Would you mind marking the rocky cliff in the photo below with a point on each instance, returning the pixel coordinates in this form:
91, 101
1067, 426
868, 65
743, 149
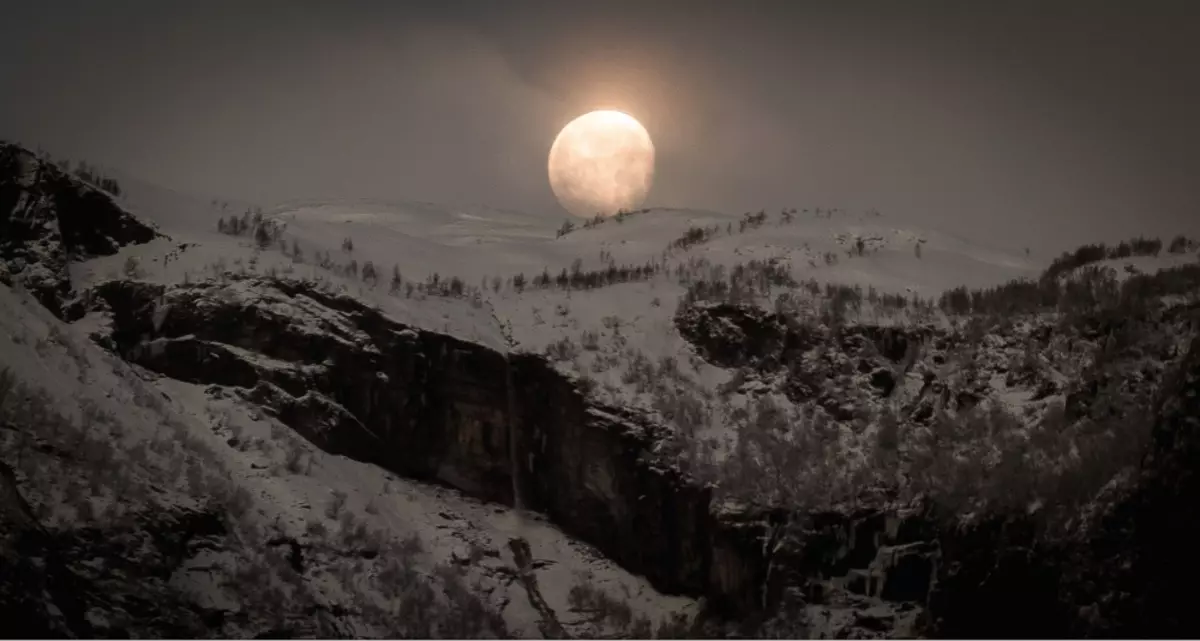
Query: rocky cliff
424, 405
49, 218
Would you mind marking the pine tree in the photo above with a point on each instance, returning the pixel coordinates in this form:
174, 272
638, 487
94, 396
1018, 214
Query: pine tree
368, 273
262, 237
396, 280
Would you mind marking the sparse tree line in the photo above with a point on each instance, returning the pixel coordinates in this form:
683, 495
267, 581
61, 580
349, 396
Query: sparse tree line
86, 172
976, 455
569, 226
757, 279
573, 278
1092, 253
265, 233
1091, 288
700, 235
748, 220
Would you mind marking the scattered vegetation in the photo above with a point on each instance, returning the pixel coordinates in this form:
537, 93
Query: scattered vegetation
1089, 254
607, 617
1095, 345
82, 479
84, 171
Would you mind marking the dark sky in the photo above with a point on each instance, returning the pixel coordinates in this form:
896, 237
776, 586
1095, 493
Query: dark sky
1043, 123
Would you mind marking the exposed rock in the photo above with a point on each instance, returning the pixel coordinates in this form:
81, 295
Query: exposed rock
883, 380
732, 335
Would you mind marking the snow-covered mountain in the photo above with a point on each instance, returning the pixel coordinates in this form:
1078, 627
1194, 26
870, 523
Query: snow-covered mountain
361, 418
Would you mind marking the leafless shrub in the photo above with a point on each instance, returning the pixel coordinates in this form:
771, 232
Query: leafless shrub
471, 617
584, 598
296, 461
590, 340
563, 349
132, 267
587, 385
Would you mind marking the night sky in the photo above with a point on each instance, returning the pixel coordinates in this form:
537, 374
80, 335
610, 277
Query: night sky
1042, 124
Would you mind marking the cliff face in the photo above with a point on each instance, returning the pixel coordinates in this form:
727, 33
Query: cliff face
424, 405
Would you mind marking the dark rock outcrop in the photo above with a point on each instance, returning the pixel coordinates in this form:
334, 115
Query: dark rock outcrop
733, 335
49, 218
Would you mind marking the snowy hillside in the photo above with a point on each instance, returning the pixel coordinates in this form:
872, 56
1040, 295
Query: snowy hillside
379, 419
487, 248
370, 542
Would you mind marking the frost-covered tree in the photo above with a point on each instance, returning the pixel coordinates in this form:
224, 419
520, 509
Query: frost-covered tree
262, 237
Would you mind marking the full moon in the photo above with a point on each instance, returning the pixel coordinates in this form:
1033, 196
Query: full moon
601, 162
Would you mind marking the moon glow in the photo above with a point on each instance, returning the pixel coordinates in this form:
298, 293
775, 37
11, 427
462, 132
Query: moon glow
601, 162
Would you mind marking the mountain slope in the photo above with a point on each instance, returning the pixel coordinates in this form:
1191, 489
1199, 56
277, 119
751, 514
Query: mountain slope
715, 414
228, 522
